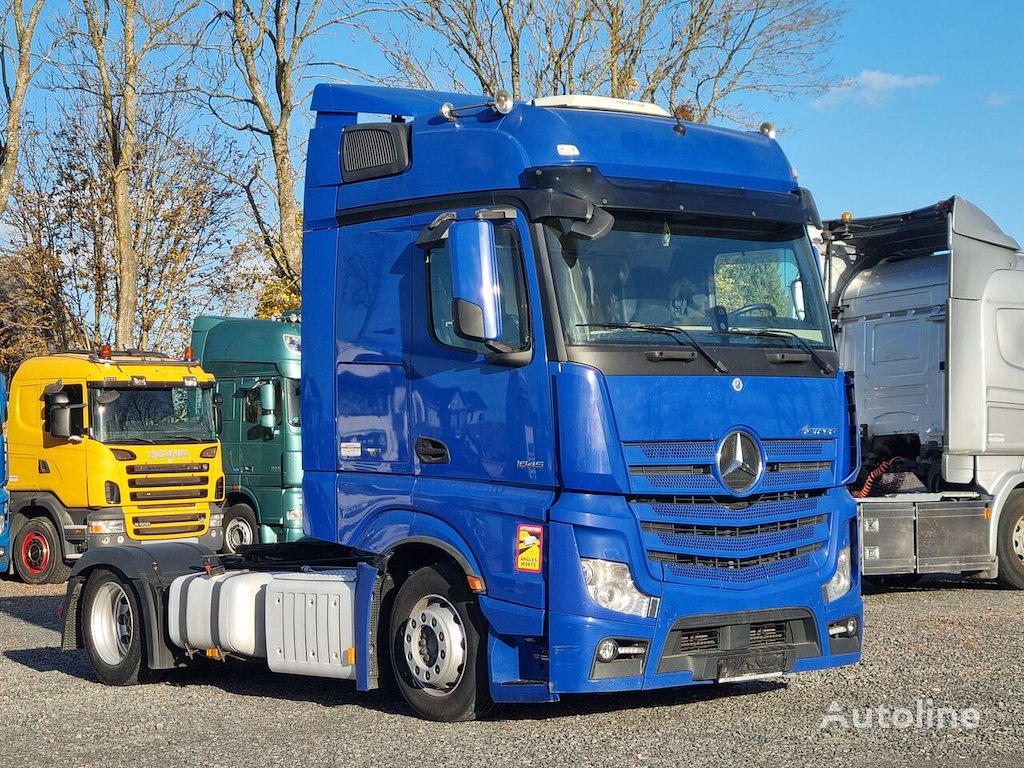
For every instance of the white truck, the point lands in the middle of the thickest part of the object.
(928, 310)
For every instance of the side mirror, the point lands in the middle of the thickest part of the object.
(218, 416)
(476, 304)
(60, 415)
(268, 398)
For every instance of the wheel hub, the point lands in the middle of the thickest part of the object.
(1018, 539)
(434, 643)
(35, 552)
(112, 623)
(237, 534)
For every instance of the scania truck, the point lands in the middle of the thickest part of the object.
(109, 447)
(5, 506)
(929, 308)
(573, 421)
(256, 363)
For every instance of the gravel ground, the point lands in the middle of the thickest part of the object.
(948, 643)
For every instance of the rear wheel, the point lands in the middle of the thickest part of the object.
(240, 527)
(438, 650)
(112, 629)
(1010, 543)
(37, 554)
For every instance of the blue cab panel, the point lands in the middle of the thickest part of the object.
(642, 460)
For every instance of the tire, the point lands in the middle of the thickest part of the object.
(438, 646)
(112, 630)
(38, 558)
(240, 528)
(1010, 543)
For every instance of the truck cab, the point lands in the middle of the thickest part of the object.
(588, 366)
(927, 309)
(256, 363)
(109, 448)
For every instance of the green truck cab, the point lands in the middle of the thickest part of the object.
(256, 363)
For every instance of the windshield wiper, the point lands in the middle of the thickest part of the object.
(667, 330)
(184, 439)
(823, 364)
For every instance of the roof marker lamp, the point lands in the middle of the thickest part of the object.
(611, 586)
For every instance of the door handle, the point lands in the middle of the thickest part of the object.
(431, 451)
(247, 468)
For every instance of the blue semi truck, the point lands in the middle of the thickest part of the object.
(573, 421)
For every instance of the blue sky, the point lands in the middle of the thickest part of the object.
(935, 109)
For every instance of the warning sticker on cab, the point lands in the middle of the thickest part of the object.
(529, 543)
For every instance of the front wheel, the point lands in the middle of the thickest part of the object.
(438, 650)
(240, 528)
(112, 629)
(1010, 543)
(37, 553)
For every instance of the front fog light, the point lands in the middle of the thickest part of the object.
(841, 581)
(611, 586)
(607, 650)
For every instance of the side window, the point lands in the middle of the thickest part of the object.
(515, 316)
(252, 405)
(253, 409)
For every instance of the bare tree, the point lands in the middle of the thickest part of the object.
(57, 272)
(118, 52)
(699, 56)
(17, 69)
(260, 56)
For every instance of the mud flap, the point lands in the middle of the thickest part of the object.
(366, 581)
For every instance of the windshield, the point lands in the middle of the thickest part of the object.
(152, 415)
(717, 278)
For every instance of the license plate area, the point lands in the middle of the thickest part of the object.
(751, 666)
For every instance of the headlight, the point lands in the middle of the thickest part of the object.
(217, 521)
(293, 515)
(611, 586)
(841, 581)
(99, 527)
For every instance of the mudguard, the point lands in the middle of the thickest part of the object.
(150, 569)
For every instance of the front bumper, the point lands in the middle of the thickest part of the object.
(212, 538)
(704, 632)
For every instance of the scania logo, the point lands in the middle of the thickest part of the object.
(740, 464)
(179, 453)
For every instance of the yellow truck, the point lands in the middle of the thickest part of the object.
(107, 448)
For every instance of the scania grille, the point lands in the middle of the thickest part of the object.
(167, 469)
(155, 483)
(149, 526)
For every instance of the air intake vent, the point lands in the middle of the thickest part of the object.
(374, 150)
